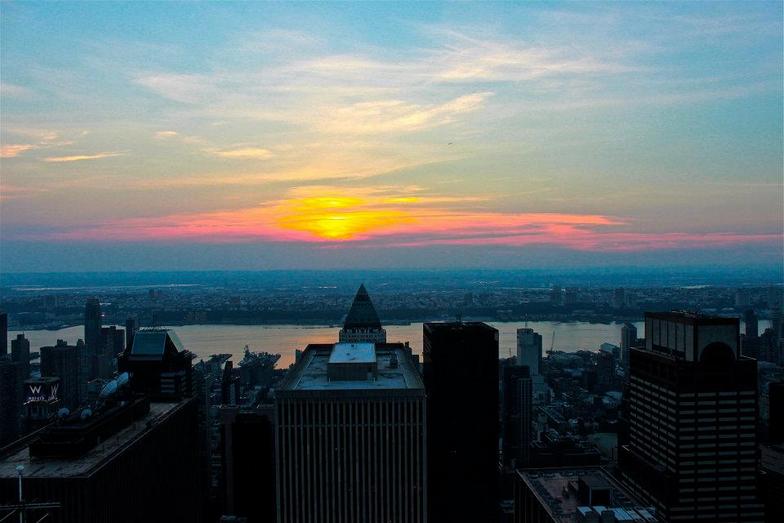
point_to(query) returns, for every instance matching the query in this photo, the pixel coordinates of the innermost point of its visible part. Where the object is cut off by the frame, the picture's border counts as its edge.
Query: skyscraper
(628, 340)
(131, 326)
(692, 447)
(92, 336)
(112, 345)
(350, 441)
(10, 400)
(752, 323)
(529, 350)
(122, 462)
(247, 447)
(3, 334)
(461, 379)
(362, 324)
(64, 361)
(517, 415)
(20, 353)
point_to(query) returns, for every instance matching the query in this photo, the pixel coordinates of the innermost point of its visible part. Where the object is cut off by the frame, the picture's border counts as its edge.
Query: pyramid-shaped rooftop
(362, 314)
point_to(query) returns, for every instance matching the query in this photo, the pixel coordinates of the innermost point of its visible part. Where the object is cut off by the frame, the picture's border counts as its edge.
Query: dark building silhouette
(517, 415)
(692, 448)
(20, 353)
(92, 336)
(350, 443)
(772, 481)
(3, 334)
(575, 494)
(362, 323)
(628, 340)
(131, 326)
(776, 413)
(158, 364)
(10, 400)
(461, 379)
(120, 462)
(112, 345)
(248, 463)
(65, 362)
(751, 323)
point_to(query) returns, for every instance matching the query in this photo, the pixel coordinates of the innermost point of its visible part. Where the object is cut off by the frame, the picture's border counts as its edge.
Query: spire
(362, 314)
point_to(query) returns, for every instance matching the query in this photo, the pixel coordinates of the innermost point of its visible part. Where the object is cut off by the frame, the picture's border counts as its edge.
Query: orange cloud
(387, 216)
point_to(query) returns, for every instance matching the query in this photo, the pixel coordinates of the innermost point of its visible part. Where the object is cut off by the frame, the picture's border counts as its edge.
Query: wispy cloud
(13, 150)
(242, 153)
(82, 157)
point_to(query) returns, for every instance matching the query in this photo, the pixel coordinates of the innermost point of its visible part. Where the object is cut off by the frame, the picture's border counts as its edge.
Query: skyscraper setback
(692, 448)
(461, 379)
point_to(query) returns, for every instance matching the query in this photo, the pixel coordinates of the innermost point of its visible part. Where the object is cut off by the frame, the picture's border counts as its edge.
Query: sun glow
(337, 217)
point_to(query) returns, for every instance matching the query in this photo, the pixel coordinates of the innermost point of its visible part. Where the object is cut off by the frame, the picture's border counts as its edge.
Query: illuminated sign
(41, 392)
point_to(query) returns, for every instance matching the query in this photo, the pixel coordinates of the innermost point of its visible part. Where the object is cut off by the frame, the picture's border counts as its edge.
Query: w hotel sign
(42, 390)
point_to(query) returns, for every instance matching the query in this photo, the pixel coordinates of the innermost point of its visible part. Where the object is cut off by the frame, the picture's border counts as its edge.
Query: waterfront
(204, 340)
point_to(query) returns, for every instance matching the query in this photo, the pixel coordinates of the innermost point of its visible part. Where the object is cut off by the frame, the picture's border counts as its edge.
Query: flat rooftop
(89, 461)
(310, 372)
(353, 353)
(556, 491)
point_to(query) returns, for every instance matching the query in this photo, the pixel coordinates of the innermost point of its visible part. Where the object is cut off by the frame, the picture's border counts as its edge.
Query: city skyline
(258, 136)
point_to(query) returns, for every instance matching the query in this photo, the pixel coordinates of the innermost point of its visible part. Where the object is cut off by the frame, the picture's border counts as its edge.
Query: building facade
(461, 377)
(65, 362)
(517, 415)
(350, 436)
(692, 417)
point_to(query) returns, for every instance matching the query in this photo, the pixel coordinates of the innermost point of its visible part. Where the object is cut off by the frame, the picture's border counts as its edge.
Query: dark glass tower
(517, 410)
(92, 336)
(3, 334)
(461, 380)
(692, 419)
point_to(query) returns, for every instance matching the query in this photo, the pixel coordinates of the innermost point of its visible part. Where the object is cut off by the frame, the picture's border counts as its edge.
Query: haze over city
(255, 136)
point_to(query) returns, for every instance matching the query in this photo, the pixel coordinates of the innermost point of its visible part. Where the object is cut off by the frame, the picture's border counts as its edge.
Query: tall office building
(517, 415)
(10, 400)
(529, 350)
(350, 436)
(112, 345)
(752, 323)
(247, 445)
(776, 412)
(92, 336)
(20, 353)
(3, 334)
(692, 449)
(64, 361)
(121, 462)
(131, 326)
(628, 340)
(362, 324)
(461, 379)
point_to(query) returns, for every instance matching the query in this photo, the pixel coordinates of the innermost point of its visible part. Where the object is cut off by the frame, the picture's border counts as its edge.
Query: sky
(220, 135)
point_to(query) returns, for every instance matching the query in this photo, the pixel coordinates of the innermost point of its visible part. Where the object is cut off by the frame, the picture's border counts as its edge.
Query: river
(204, 340)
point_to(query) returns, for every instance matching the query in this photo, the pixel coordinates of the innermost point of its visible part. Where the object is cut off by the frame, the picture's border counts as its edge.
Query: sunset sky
(249, 136)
